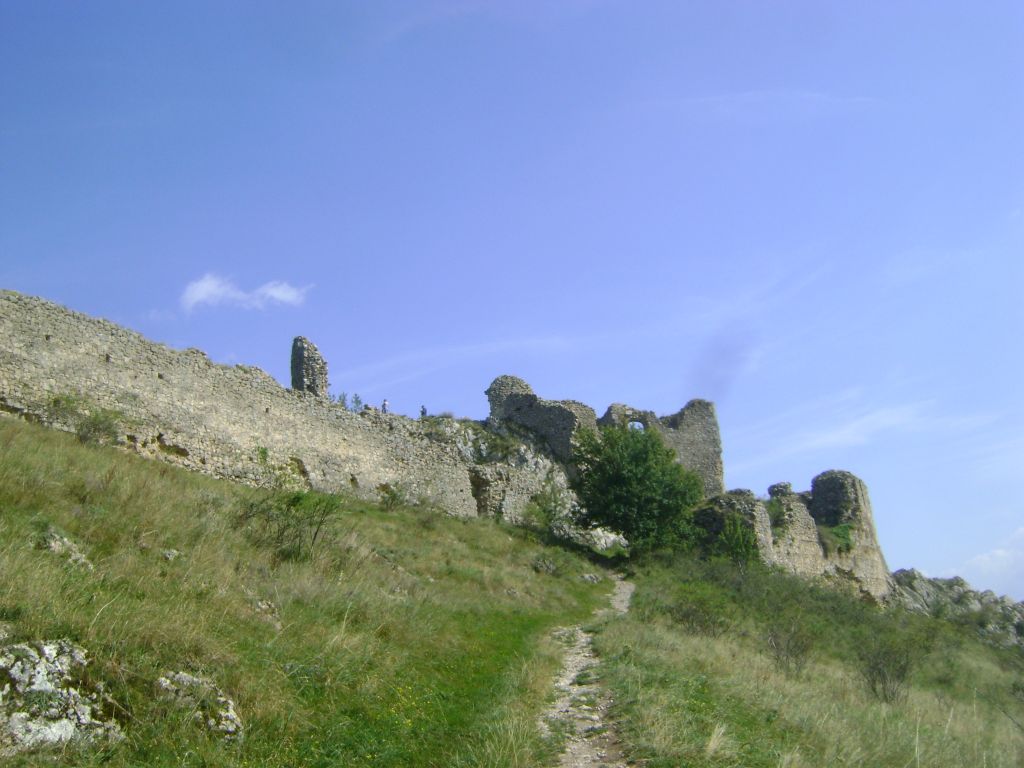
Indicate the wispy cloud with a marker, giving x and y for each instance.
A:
(218, 291)
(1002, 567)
(846, 421)
(864, 427)
(413, 365)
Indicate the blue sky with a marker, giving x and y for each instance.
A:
(811, 213)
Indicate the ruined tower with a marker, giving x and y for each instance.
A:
(309, 369)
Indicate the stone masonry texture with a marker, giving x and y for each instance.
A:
(237, 422)
(692, 433)
(309, 369)
(791, 541)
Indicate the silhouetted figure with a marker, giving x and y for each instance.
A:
(423, 411)
(384, 407)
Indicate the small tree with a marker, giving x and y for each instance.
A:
(628, 480)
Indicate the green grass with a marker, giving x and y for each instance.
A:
(689, 692)
(403, 637)
(406, 637)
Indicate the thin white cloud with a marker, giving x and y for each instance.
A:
(218, 291)
(848, 422)
(863, 428)
(1000, 568)
(413, 365)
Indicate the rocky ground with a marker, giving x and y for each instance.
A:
(582, 706)
(998, 620)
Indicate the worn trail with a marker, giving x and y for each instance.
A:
(582, 705)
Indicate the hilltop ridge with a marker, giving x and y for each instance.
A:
(237, 422)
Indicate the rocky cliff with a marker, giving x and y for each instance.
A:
(999, 620)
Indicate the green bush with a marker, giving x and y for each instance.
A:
(789, 642)
(101, 426)
(721, 531)
(64, 409)
(697, 607)
(628, 480)
(835, 538)
(776, 514)
(291, 524)
(547, 507)
(392, 496)
(91, 424)
(887, 654)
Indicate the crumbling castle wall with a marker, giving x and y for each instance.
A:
(788, 535)
(238, 422)
(309, 369)
(692, 433)
(512, 400)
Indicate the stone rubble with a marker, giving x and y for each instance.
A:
(210, 705)
(59, 544)
(582, 705)
(41, 702)
(998, 619)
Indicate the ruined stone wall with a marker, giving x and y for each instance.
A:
(309, 369)
(555, 421)
(692, 433)
(792, 540)
(238, 422)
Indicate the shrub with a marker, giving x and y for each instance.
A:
(789, 642)
(701, 610)
(547, 507)
(64, 409)
(776, 514)
(292, 524)
(886, 656)
(835, 538)
(392, 496)
(629, 481)
(101, 426)
(1017, 690)
(90, 424)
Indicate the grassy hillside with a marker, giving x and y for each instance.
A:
(353, 634)
(346, 634)
(721, 665)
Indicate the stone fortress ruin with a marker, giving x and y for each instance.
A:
(237, 422)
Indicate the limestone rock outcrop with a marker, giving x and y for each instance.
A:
(999, 620)
(209, 704)
(43, 701)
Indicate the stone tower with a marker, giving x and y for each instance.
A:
(309, 369)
